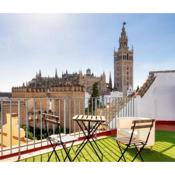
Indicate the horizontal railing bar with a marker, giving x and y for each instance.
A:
(23, 98)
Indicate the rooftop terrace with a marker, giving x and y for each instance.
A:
(22, 129)
(162, 151)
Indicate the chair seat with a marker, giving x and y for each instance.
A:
(125, 140)
(64, 137)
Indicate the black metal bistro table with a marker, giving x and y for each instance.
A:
(89, 125)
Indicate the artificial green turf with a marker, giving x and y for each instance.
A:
(162, 151)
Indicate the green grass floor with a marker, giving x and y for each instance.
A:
(163, 151)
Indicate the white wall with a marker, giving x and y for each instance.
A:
(114, 94)
(159, 101)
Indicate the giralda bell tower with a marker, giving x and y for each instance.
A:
(123, 65)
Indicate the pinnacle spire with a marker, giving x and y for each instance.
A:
(110, 82)
(123, 40)
(56, 74)
(39, 73)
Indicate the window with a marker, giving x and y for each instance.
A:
(124, 57)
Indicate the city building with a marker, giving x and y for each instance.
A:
(87, 80)
(5, 95)
(64, 101)
(123, 65)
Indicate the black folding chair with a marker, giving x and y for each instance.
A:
(58, 139)
(134, 142)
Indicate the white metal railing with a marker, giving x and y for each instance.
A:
(21, 120)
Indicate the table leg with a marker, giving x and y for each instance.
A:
(90, 136)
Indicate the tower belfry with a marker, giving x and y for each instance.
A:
(123, 64)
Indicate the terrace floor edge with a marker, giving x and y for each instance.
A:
(165, 125)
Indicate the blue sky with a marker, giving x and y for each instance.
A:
(29, 42)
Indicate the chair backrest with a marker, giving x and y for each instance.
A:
(142, 124)
(50, 119)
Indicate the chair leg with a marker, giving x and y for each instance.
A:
(120, 150)
(50, 156)
(57, 156)
(139, 153)
(123, 153)
(68, 153)
(53, 151)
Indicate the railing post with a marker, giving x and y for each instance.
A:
(106, 112)
(69, 113)
(118, 107)
(134, 106)
(112, 110)
(88, 106)
(41, 122)
(11, 126)
(27, 123)
(47, 110)
(79, 111)
(1, 127)
(74, 113)
(92, 103)
(115, 115)
(95, 110)
(65, 115)
(19, 124)
(34, 121)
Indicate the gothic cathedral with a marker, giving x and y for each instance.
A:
(123, 65)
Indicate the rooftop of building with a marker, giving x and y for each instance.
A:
(151, 78)
(162, 71)
(6, 94)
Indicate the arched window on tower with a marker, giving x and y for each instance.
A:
(124, 57)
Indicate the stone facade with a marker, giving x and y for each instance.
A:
(11, 106)
(123, 65)
(87, 80)
(64, 101)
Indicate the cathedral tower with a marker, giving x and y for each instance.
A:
(123, 64)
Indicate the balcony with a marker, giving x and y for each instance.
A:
(22, 133)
